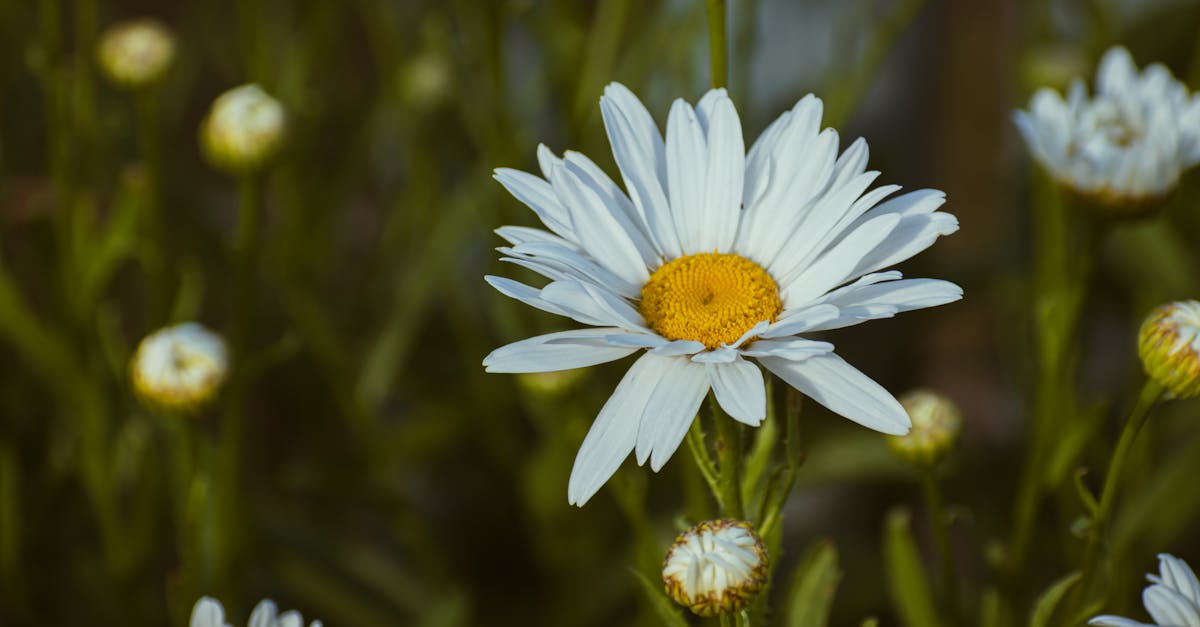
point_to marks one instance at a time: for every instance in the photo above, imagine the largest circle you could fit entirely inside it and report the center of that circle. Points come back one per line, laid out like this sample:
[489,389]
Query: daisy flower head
[716,567]
[1124,148]
[208,612]
[1172,599]
[936,427]
[707,257]
[137,53]
[1169,347]
[180,368]
[243,130]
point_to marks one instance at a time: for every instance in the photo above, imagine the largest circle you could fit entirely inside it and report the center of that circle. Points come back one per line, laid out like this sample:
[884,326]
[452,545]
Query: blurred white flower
[1125,147]
[716,567]
[179,368]
[936,425]
[208,613]
[1173,599]
[715,255]
[243,129]
[136,53]
[1169,347]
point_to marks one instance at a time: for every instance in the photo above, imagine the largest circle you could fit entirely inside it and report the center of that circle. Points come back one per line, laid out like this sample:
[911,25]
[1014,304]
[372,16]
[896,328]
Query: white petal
[543,354]
[575,265]
[538,195]
[837,385]
[739,389]
[607,240]
[532,296]
[614,432]
[591,304]
[207,613]
[290,618]
[1168,607]
[726,174]
[860,303]
[791,349]
[630,218]
[913,235]
[686,168]
[641,156]
[838,264]
[263,614]
[1115,621]
[1176,574]
[670,411]
[525,235]
[801,320]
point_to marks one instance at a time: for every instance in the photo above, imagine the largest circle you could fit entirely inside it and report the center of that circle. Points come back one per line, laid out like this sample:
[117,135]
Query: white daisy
[208,613]
[1124,147]
[715,255]
[1173,599]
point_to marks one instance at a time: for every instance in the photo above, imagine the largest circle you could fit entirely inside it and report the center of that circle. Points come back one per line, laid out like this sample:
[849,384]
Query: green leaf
[814,586]
[908,584]
[991,610]
[664,607]
[757,460]
[1085,494]
[1043,610]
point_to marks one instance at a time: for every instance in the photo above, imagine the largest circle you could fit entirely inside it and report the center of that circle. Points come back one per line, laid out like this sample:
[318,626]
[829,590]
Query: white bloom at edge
[136,53]
[1129,142]
[179,368]
[715,255]
[208,613]
[1172,599]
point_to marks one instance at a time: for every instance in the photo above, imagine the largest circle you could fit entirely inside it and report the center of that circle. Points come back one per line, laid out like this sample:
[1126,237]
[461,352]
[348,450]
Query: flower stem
[718,50]
[1150,394]
[935,509]
[729,460]
[153,234]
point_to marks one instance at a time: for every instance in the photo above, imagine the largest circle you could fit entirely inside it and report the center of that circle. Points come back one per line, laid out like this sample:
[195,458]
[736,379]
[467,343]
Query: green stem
[729,460]
[936,511]
[695,440]
[718,51]
[1151,393]
[247,246]
[153,234]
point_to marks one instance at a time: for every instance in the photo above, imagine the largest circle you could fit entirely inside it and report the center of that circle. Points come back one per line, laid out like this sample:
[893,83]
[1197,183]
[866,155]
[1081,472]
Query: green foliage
[814,585]
[908,583]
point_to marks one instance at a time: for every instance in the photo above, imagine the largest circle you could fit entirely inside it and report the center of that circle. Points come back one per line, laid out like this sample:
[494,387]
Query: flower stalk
[718,49]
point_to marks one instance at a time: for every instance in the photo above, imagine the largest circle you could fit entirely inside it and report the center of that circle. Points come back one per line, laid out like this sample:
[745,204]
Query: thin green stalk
[936,511]
[1150,394]
[708,470]
[729,461]
[718,50]
[247,246]
[151,221]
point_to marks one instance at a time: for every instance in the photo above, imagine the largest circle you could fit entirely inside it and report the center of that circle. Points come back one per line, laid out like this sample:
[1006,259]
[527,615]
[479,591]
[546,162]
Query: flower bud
[179,369]
[716,567]
[936,426]
[137,53]
[243,130]
[1168,343]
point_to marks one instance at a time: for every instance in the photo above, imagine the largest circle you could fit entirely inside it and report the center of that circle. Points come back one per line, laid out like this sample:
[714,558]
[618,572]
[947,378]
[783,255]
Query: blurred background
[382,478]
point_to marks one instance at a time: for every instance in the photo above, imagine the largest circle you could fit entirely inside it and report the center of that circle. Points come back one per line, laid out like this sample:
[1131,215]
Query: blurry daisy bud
[179,369]
[936,426]
[716,567]
[550,383]
[137,53]
[243,130]
[1168,344]
[425,80]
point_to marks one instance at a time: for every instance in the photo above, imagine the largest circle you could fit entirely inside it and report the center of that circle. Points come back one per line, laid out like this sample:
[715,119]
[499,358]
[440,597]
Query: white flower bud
[179,368]
[716,567]
[1169,346]
[243,129]
[137,53]
[936,426]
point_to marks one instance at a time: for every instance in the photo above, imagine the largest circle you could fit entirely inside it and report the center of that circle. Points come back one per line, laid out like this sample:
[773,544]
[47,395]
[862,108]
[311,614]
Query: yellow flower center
[711,298]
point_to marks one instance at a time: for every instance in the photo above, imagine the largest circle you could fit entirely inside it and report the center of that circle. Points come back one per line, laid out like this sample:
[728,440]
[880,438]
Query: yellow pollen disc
[711,298]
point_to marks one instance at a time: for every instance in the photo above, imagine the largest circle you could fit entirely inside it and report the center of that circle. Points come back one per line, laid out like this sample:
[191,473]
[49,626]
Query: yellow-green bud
[716,567]
[1168,344]
[936,426]
[137,53]
[243,130]
[179,369]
